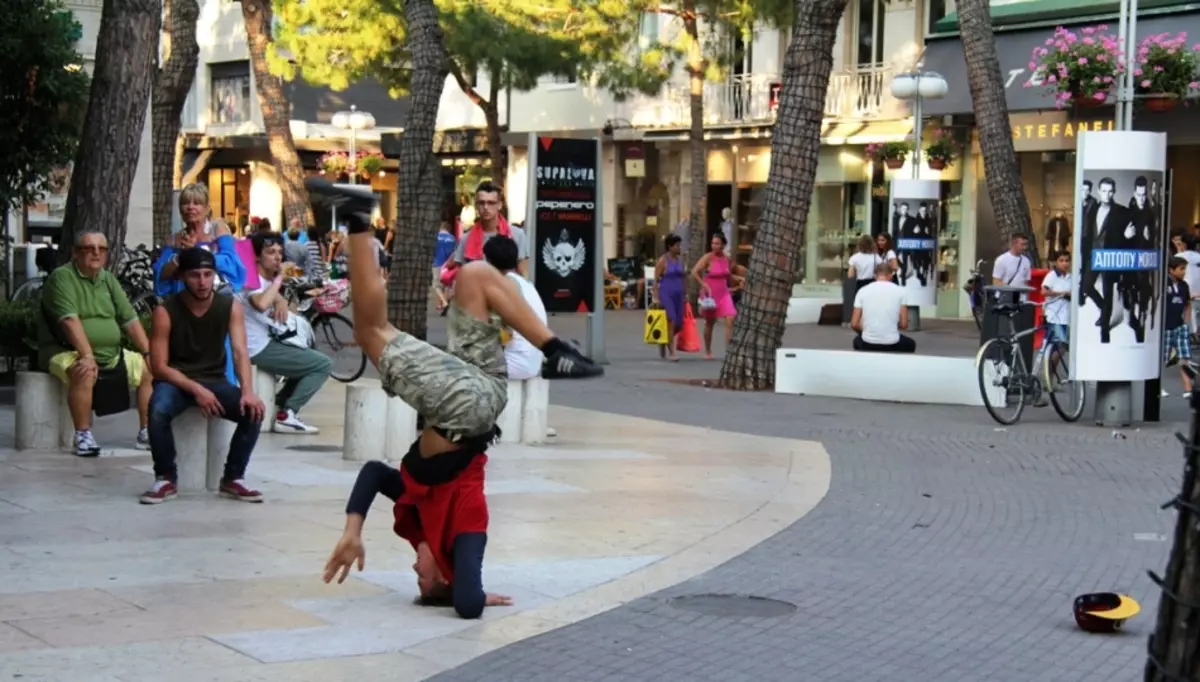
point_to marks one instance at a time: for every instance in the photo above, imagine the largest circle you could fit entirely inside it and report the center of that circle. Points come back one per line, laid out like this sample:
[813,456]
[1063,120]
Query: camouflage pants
[462,390]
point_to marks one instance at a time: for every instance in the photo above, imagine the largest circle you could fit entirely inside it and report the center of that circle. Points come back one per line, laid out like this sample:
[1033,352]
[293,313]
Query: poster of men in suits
[915,212]
[1116,325]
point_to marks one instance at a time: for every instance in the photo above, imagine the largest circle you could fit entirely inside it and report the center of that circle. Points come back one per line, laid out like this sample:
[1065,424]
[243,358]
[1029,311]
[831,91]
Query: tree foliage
[43,97]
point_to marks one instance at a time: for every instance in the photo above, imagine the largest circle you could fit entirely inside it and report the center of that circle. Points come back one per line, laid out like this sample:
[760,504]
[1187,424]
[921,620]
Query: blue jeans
[169,401]
[1057,332]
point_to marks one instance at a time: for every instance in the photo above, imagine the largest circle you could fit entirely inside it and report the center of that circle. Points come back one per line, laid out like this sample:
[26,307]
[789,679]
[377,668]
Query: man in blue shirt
[446,244]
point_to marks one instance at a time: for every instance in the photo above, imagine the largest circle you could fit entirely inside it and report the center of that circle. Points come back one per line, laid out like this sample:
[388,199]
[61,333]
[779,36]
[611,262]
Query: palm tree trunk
[775,261]
[491,115]
[418,191]
[109,148]
[1000,166]
[172,83]
[697,146]
[276,113]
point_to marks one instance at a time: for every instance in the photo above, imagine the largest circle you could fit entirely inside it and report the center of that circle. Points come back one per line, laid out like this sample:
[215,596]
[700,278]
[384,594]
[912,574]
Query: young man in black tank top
[438,490]
[187,354]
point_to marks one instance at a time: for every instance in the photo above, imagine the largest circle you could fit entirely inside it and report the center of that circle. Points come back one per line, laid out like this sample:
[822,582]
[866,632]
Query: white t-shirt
[1012,271]
[523,358]
[1058,310]
[258,324]
[864,264]
[880,303]
[1192,276]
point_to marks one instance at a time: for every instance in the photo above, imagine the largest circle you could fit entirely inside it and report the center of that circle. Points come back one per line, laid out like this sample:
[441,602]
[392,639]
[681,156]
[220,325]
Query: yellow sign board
[1052,132]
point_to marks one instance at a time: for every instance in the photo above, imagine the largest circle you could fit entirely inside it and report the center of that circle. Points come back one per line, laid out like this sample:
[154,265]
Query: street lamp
[353,121]
[915,87]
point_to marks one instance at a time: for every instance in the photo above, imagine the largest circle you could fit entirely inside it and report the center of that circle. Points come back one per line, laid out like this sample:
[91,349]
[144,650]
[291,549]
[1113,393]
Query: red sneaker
[158,493]
[237,490]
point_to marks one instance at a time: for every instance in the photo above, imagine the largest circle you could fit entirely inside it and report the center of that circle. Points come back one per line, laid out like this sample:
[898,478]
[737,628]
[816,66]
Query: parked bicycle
[333,332]
[974,289]
[1007,384]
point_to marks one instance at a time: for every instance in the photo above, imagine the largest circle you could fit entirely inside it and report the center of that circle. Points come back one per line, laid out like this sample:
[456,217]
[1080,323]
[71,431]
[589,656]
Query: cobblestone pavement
[946,549]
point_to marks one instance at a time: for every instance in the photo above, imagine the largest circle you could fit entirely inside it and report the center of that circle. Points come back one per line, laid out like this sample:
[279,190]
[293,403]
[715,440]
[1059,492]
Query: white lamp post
[915,87]
[353,121]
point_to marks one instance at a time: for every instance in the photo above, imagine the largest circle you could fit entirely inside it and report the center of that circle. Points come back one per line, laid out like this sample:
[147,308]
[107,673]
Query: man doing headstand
[438,490]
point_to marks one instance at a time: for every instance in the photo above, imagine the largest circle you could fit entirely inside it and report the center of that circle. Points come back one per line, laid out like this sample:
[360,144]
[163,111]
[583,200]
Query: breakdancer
[438,491]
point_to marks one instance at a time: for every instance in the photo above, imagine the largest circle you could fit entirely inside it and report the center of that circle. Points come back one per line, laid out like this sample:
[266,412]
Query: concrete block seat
[526,417]
[889,377]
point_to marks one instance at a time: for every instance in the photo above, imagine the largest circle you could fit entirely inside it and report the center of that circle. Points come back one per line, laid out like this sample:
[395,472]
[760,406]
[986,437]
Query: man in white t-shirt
[1013,268]
[1185,249]
[880,314]
[305,370]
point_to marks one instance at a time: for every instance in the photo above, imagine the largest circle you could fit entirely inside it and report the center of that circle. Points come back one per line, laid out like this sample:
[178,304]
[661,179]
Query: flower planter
[1088,101]
[1160,105]
[894,164]
[937,164]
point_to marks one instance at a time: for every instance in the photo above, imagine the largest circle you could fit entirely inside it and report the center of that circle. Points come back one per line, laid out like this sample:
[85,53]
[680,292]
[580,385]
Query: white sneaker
[143,439]
[85,444]
[287,422]
[551,433]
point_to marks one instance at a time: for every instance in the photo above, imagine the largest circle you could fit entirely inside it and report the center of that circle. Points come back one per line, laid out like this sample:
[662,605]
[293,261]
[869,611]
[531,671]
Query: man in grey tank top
[187,355]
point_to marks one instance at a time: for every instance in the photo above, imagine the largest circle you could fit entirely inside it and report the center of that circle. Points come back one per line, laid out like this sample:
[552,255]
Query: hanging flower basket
[1165,71]
[334,163]
[942,149]
[892,154]
[937,164]
[1080,68]
[369,163]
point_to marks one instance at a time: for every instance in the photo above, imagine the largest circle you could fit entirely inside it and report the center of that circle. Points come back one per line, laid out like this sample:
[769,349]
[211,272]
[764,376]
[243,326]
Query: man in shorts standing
[438,490]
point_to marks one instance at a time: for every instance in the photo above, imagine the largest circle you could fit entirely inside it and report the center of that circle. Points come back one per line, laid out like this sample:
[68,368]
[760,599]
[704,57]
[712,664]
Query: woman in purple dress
[669,291]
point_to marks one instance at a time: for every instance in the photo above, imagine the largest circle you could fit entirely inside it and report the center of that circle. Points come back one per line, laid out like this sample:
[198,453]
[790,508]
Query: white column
[191,450]
[38,411]
[510,419]
[66,423]
[535,413]
[366,415]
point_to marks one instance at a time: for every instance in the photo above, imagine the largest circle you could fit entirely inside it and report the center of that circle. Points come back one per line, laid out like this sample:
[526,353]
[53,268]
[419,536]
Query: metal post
[353,152]
[1122,35]
[1114,404]
[596,317]
[914,311]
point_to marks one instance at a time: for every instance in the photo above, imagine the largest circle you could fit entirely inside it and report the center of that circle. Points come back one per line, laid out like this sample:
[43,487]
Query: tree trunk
[491,115]
[796,140]
[1000,166]
[171,85]
[105,165]
[418,191]
[1175,644]
[277,115]
[697,146]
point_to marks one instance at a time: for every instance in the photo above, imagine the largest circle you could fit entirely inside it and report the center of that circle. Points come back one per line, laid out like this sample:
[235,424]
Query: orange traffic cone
[688,339]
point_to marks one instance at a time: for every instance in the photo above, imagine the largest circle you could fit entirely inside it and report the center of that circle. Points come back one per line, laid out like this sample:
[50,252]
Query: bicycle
[974,289]
[1001,367]
[321,306]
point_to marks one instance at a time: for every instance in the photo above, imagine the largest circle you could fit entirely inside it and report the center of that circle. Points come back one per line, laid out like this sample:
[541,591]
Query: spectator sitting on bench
[304,369]
[83,311]
[187,352]
[880,314]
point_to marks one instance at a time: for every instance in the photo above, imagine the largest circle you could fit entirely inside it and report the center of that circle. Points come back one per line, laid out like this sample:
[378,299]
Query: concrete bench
[376,426]
[265,385]
[43,419]
[201,446]
[526,417]
[890,377]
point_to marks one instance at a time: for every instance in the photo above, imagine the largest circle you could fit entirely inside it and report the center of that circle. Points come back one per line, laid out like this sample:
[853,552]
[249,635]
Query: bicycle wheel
[144,304]
[1066,395]
[29,291]
[333,335]
[1002,379]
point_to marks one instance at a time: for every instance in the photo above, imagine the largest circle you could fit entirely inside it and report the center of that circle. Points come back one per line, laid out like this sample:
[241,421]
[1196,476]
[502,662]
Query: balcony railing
[752,99]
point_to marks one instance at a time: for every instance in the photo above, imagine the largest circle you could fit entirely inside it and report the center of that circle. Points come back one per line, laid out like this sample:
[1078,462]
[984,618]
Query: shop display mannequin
[1058,234]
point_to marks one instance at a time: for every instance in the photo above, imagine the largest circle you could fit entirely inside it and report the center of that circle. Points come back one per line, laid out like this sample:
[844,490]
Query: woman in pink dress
[718,271]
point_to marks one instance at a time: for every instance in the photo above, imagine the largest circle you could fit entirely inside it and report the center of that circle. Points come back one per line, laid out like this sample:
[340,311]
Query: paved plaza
[908,543]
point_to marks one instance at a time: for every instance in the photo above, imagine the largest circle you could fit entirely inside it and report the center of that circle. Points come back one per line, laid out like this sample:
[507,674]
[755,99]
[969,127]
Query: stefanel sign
[564,238]
[1052,131]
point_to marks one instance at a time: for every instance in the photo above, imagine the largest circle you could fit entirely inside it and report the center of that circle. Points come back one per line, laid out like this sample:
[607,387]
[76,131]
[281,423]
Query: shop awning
[945,56]
[865,132]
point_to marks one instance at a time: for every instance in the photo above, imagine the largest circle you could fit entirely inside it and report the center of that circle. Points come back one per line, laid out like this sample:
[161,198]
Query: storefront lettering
[1055,131]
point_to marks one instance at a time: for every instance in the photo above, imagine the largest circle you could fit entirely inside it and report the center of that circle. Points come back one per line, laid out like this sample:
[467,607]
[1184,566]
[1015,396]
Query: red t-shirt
[438,514]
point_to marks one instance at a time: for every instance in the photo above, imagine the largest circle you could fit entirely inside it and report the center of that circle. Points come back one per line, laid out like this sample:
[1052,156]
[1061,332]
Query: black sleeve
[374,478]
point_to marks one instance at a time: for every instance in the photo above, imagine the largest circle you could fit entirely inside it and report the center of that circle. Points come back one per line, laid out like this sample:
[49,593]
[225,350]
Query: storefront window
[229,195]
[839,216]
[949,249]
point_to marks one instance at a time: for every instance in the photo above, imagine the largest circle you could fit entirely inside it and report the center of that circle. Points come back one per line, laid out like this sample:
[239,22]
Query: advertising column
[916,209]
[564,242]
[1116,313]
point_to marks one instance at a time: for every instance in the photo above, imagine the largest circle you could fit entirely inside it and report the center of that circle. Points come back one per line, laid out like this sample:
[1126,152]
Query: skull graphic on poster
[563,258]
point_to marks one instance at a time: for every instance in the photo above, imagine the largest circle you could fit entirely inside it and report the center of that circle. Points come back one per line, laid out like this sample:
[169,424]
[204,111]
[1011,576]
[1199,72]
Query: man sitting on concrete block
[187,354]
[83,312]
[880,314]
[305,370]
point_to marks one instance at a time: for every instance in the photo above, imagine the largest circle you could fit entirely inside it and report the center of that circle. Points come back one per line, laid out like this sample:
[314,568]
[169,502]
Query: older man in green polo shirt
[84,311]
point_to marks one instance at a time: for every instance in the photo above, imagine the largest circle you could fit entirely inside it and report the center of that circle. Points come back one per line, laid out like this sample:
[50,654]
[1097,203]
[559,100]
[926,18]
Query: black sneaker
[566,362]
[348,200]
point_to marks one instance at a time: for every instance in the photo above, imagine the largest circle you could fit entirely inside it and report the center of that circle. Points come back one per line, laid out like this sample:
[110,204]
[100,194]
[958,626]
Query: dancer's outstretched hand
[496,600]
[348,552]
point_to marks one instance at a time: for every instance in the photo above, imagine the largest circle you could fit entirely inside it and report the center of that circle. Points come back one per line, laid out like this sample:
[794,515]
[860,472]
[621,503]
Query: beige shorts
[462,390]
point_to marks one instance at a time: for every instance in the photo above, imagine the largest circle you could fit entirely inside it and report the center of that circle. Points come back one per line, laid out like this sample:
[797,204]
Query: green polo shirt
[99,303]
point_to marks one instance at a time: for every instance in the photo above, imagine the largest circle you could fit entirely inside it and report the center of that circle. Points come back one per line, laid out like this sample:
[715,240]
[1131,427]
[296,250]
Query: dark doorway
[720,197]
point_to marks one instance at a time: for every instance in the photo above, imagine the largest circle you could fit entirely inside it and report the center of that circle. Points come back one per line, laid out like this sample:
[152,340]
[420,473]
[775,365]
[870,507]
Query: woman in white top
[883,246]
[862,263]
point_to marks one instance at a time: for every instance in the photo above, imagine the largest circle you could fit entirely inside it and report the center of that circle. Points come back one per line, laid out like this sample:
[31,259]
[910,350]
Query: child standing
[1178,344]
[1056,287]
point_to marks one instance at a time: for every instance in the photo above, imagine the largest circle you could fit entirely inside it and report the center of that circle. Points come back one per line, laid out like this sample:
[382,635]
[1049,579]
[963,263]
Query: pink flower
[1099,96]
[1193,85]
[1052,79]
[1096,80]
[1102,58]
[1033,66]
[1108,79]
[1029,84]
[1158,69]
[1083,61]
[1102,27]
[1145,83]
[1087,31]
[1042,52]
[1088,41]
[1137,72]
[1050,41]
[1196,47]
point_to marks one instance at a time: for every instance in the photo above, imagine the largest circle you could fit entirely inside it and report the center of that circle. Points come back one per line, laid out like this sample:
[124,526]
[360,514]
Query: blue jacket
[229,267]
